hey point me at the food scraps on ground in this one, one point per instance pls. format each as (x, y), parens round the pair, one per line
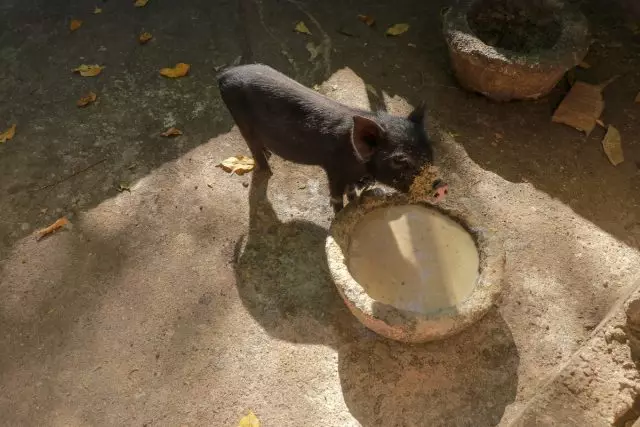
(237, 164)
(180, 70)
(52, 228)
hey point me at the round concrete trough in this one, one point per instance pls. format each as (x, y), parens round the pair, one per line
(402, 319)
(504, 75)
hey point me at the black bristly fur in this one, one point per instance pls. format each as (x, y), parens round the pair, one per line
(276, 113)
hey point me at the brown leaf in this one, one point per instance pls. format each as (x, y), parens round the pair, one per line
(180, 70)
(8, 134)
(367, 19)
(52, 228)
(612, 145)
(88, 70)
(171, 132)
(140, 3)
(87, 99)
(580, 109)
(238, 164)
(584, 65)
(75, 24)
(145, 37)
(638, 98)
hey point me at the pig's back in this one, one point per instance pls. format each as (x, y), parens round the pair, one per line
(296, 122)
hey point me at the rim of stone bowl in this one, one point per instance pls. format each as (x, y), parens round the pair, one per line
(404, 325)
(568, 51)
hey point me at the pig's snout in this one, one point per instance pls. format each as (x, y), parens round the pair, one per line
(440, 190)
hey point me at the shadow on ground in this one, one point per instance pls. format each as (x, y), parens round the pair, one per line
(283, 280)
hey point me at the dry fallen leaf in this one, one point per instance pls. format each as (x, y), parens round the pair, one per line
(180, 70)
(612, 145)
(88, 70)
(97, 10)
(52, 228)
(171, 132)
(140, 3)
(582, 106)
(124, 186)
(144, 37)
(75, 24)
(238, 164)
(87, 99)
(367, 19)
(301, 27)
(584, 65)
(7, 134)
(397, 29)
(249, 420)
(638, 98)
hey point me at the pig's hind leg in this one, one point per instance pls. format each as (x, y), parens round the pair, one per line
(258, 151)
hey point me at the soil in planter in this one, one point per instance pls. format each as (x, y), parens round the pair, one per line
(517, 25)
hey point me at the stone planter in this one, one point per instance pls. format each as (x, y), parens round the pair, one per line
(504, 75)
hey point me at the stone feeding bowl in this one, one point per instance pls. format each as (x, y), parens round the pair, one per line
(514, 49)
(411, 271)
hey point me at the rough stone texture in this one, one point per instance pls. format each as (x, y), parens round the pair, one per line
(597, 385)
(504, 75)
(403, 325)
(149, 311)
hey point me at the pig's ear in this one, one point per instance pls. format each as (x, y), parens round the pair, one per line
(417, 115)
(366, 136)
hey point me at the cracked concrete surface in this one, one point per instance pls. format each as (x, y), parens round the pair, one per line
(194, 298)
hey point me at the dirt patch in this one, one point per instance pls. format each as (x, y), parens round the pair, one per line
(516, 26)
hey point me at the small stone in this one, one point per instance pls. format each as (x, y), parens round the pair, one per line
(245, 184)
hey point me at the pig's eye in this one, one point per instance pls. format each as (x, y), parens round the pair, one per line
(400, 162)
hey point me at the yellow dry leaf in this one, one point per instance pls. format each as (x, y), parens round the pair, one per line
(249, 420)
(87, 99)
(367, 19)
(580, 109)
(180, 70)
(171, 132)
(97, 10)
(75, 24)
(397, 29)
(238, 164)
(612, 145)
(301, 27)
(7, 134)
(88, 70)
(140, 3)
(145, 37)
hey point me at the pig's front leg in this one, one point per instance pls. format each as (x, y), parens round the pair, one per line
(337, 187)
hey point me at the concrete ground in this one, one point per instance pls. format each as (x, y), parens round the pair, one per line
(193, 299)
